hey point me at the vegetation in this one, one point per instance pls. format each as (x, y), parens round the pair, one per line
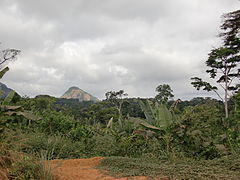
(151, 137)
(164, 93)
(224, 61)
(223, 168)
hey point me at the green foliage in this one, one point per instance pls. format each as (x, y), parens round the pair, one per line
(156, 114)
(26, 167)
(223, 62)
(9, 98)
(198, 83)
(38, 104)
(230, 34)
(116, 99)
(19, 165)
(132, 108)
(46, 127)
(234, 126)
(12, 115)
(56, 122)
(114, 95)
(164, 93)
(59, 146)
(80, 132)
(101, 113)
(2, 72)
(201, 133)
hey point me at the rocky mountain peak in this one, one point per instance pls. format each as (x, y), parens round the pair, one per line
(77, 93)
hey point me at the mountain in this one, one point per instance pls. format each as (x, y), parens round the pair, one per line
(77, 93)
(4, 90)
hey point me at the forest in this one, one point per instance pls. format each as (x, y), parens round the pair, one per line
(163, 135)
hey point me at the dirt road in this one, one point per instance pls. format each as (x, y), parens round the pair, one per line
(83, 169)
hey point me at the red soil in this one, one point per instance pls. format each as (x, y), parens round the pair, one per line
(83, 169)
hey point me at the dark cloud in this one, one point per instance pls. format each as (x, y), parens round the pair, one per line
(109, 45)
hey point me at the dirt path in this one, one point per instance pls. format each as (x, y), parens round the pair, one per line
(82, 169)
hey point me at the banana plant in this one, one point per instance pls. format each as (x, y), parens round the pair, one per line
(158, 117)
(158, 120)
(7, 110)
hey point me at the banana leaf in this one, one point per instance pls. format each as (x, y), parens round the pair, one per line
(149, 126)
(26, 114)
(7, 107)
(2, 72)
(164, 117)
(9, 98)
(147, 110)
(110, 123)
(157, 114)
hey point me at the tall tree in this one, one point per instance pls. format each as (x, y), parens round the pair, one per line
(164, 93)
(116, 98)
(223, 62)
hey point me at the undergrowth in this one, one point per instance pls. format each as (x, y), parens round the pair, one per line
(222, 168)
(19, 165)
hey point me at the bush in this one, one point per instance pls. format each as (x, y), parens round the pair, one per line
(56, 145)
(201, 132)
(53, 122)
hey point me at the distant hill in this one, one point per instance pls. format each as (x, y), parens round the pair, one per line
(4, 90)
(77, 93)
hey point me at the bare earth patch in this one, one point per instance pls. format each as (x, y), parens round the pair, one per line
(83, 169)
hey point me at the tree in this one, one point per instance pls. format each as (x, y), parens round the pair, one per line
(223, 62)
(8, 55)
(5, 56)
(116, 98)
(164, 93)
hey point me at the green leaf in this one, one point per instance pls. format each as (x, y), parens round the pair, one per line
(1, 92)
(28, 115)
(2, 72)
(9, 98)
(164, 117)
(147, 110)
(157, 114)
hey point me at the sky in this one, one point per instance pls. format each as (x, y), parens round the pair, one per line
(108, 45)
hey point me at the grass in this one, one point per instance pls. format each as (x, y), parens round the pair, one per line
(224, 168)
(19, 165)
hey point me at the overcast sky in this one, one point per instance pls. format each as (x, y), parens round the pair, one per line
(103, 45)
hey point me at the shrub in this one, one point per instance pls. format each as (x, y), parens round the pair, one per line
(201, 132)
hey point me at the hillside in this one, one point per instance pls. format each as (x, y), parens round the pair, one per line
(4, 90)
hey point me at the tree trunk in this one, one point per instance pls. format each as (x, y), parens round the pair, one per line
(226, 106)
(226, 95)
(120, 114)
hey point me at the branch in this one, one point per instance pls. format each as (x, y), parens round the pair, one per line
(231, 81)
(222, 86)
(8, 55)
(218, 95)
(199, 83)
